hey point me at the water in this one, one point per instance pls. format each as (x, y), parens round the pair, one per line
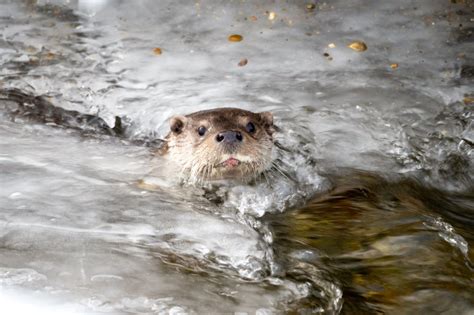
(373, 214)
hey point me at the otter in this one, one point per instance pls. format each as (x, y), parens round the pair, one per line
(209, 145)
(220, 144)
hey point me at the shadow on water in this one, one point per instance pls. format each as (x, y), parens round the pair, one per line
(392, 246)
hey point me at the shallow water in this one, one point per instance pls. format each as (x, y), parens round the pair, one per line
(384, 154)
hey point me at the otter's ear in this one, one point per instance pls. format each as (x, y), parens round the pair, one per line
(267, 122)
(267, 118)
(177, 124)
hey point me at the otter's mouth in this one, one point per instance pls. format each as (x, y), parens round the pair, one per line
(230, 163)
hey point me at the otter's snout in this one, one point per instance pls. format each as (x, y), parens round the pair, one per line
(229, 137)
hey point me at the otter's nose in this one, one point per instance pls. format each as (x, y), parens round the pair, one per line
(229, 137)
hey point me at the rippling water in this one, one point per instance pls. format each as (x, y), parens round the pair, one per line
(374, 209)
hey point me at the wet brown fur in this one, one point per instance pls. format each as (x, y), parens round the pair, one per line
(200, 157)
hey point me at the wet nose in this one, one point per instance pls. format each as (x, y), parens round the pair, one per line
(229, 137)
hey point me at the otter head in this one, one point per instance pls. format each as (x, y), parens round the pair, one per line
(223, 143)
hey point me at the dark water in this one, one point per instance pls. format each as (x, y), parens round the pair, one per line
(389, 245)
(372, 212)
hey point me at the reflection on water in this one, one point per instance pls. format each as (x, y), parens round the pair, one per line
(373, 209)
(390, 246)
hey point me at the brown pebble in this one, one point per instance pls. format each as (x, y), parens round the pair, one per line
(358, 46)
(253, 18)
(243, 62)
(394, 66)
(235, 38)
(310, 6)
(157, 51)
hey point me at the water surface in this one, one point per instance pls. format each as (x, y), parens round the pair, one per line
(373, 212)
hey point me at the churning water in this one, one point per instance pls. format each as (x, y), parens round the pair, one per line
(373, 211)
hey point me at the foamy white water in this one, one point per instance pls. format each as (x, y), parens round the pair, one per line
(71, 208)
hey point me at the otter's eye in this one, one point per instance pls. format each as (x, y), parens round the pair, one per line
(250, 127)
(202, 131)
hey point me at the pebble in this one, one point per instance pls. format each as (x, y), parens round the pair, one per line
(242, 62)
(358, 46)
(235, 38)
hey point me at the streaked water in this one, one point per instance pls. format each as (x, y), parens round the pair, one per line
(373, 211)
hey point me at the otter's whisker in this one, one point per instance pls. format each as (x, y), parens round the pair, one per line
(265, 176)
(277, 168)
(209, 169)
